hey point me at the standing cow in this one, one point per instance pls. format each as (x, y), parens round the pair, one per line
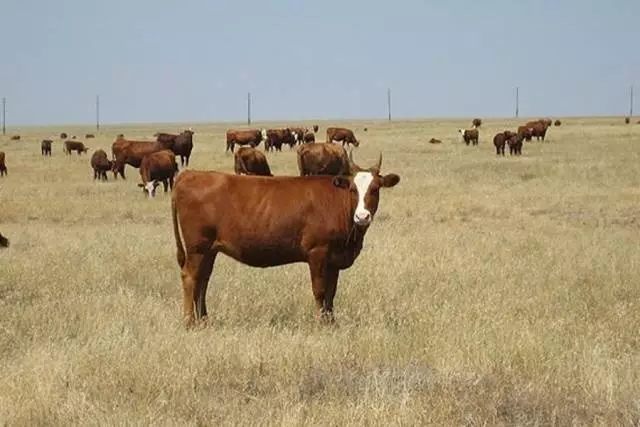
(272, 221)
(157, 167)
(182, 144)
(45, 147)
(322, 158)
(76, 146)
(469, 136)
(343, 135)
(251, 137)
(249, 161)
(3, 165)
(100, 164)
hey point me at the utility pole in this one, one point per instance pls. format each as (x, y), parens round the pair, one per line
(631, 102)
(97, 113)
(389, 102)
(517, 102)
(4, 116)
(249, 109)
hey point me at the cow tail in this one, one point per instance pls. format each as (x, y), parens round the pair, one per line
(176, 233)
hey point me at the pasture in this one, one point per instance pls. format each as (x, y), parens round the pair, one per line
(490, 291)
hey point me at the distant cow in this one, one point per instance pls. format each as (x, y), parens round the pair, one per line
(277, 137)
(89, 136)
(182, 144)
(15, 137)
(308, 137)
(45, 147)
(515, 144)
(251, 137)
(63, 135)
(3, 165)
(526, 132)
(557, 123)
(627, 120)
(499, 141)
(343, 135)
(76, 146)
(298, 133)
(100, 164)
(539, 130)
(435, 141)
(324, 158)
(127, 152)
(158, 167)
(249, 161)
(476, 123)
(469, 136)
(4, 242)
(315, 128)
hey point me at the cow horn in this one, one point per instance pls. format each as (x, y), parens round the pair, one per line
(379, 163)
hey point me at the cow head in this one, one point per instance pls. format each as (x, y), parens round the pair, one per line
(365, 185)
(263, 134)
(149, 188)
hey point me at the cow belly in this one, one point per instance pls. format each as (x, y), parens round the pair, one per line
(257, 255)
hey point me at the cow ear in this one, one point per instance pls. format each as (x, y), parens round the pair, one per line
(141, 185)
(390, 180)
(341, 181)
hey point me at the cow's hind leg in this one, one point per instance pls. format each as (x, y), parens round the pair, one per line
(195, 278)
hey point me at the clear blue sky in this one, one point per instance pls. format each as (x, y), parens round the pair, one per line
(195, 60)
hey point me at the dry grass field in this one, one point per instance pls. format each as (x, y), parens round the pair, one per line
(490, 291)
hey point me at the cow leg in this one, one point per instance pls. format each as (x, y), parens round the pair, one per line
(165, 184)
(320, 286)
(330, 287)
(195, 278)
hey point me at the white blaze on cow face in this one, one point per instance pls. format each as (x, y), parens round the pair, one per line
(150, 188)
(263, 133)
(362, 181)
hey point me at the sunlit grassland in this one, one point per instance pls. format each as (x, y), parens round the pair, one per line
(490, 291)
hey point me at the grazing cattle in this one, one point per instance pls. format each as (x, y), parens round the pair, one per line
(272, 221)
(160, 166)
(277, 137)
(526, 132)
(76, 146)
(45, 147)
(323, 158)
(435, 141)
(15, 137)
(309, 137)
(63, 135)
(298, 133)
(539, 130)
(627, 120)
(4, 242)
(343, 135)
(3, 165)
(315, 128)
(249, 161)
(499, 141)
(89, 136)
(182, 144)
(126, 152)
(252, 137)
(469, 136)
(100, 164)
(476, 123)
(515, 144)
(557, 123)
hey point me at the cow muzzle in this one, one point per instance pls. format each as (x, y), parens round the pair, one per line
(362, 217)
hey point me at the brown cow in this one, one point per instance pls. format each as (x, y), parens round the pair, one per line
(249, 161)
(627, 120)
(435, 141)
(100, 164)
(277, 137)
(4, 242)
(45, 147)
(469, 136)
(315, 128)
(89, 136)
(308, 137)
(476, 123)
(182, 144)
(499, 141)
(539, 130)
(127, 152)
(557, 123)
(3, 165)
(272, 221)
(157, 167)
(343, 135)
(63, 135)
(298, 134)
(15, 137)
(76, 146)
(515, 144)
(322, 158)
(251, 137)
(526, 132)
